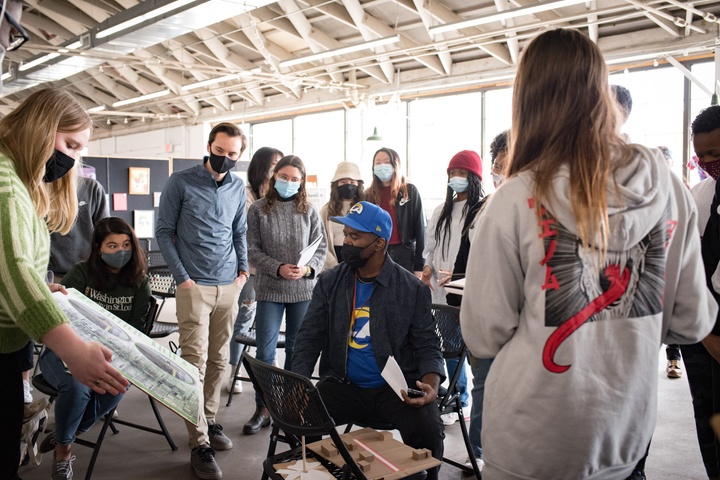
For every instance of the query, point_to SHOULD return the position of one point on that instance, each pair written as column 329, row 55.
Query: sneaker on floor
column 218, row 440
column 673, row 369
column 480, row 464
column 62, row 469
column 27, row 396
column 236, row 389
column 48, row 443
column 202, row 460
column 449, row 418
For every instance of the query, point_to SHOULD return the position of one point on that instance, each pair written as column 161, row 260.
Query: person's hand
column 425, row 276
column 712, row 345
column 56, row 287
column 240, row 280
column 429, row 397
column 90, row 365
column 187, row 283
column 444, row 277
column 292, row 272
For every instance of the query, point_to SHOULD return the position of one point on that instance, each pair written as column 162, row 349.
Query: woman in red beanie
column 442, row 240
column 394, row 194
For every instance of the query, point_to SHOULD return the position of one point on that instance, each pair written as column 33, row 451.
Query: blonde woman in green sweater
column 40, row 141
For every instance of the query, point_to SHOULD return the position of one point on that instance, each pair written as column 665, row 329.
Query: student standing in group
column 701, row 359
column 442, row 242
column 201, row 231
column 114, row 277
column 259, row 173
column 590, row 242
column 280, row 226
column 346, row 189
column 40, row 141
column 394, row 194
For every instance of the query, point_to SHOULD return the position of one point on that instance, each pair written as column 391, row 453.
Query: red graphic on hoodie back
column 578, row 290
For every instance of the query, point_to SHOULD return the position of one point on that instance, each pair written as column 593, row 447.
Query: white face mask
column 498, row 179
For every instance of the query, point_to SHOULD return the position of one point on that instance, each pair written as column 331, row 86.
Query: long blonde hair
column 27, row 137
column 563, row 112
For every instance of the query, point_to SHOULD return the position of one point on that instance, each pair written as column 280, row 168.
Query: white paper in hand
column 308, row 252
column 394, row 376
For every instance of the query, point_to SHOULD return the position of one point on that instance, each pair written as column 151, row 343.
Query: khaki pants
column 205, row 316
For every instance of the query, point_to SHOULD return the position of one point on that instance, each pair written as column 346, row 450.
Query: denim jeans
column 480, row 368
column 268, row 318
column 77, row 407
column 452, row 364
column 246, row 313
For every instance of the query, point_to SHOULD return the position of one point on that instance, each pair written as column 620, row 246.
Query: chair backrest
column 155, row 259
column 295, row 405
column 151, row 315
column 162, row 282
column 447, row 327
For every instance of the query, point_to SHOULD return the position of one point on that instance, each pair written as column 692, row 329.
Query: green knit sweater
column 27, row 308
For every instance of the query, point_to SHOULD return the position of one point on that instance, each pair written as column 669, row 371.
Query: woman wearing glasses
column 280, row 225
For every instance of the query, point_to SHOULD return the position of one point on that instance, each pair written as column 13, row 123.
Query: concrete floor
column 134, row 454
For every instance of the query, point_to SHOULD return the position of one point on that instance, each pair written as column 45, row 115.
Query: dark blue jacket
column 401, row 324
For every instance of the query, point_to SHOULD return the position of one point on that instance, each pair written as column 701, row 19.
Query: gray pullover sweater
column 278, row 237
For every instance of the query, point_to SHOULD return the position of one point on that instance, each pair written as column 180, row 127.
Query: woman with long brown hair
column 582, row 265
column 280, row 226
column 401, row 199
column 40, row 142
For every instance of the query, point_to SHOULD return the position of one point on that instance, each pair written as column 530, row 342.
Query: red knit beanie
column 467, row 160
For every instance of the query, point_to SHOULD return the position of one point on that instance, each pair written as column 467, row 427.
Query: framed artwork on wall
column 144, row 223
column 138, row 181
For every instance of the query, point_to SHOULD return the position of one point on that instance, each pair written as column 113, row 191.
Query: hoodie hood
column 636, row 202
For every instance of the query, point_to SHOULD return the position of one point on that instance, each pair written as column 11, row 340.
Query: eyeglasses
column 18, row 35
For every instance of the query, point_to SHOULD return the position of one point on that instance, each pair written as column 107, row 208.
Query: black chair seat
column 249, row 339
column 43, row 386
column 163, row 329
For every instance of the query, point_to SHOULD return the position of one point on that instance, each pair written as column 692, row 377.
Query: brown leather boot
column 260, row 419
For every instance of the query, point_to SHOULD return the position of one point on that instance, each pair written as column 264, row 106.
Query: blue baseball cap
column 367, row 217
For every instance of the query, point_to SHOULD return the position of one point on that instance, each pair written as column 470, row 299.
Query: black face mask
column 352, row 255
column 221, row 164
column 58, row 165
column 347, row 191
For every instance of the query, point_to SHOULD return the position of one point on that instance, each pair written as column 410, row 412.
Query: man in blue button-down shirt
column 202, row 230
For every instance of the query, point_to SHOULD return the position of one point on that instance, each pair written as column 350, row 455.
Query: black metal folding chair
column 447, row 327
column 43, row 386
column 296, row 408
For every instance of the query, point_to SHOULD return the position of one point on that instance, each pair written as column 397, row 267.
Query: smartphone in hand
column 414, row 393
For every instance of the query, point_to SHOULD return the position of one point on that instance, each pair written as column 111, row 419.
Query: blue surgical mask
column 118, row 259
column 384, row 172
column 286, row 189
column 459, row 184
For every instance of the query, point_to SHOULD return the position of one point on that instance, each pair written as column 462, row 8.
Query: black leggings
column 11, row 412
column 703, row 374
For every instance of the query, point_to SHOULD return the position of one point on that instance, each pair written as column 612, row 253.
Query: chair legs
column 237, row 377
column 163, row 429
column 466, row 438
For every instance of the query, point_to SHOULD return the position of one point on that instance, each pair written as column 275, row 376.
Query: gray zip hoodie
column 572, row 393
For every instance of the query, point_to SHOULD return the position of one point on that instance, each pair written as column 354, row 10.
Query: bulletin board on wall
column 179, row 164
column 133, row 186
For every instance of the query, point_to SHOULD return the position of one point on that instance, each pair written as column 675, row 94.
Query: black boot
column 260, row 419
